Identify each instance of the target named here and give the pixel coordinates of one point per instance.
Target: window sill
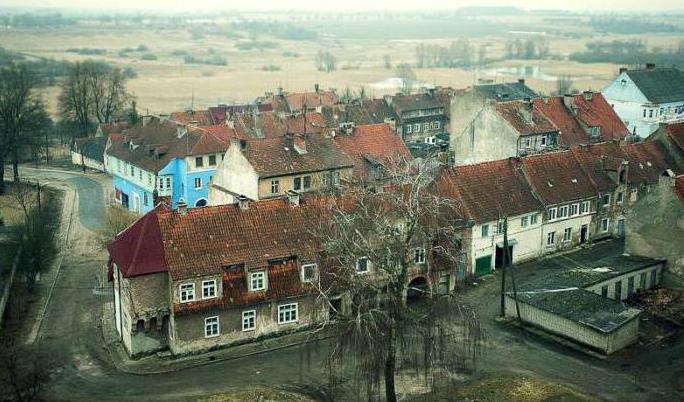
(212, 336)
(288, 322)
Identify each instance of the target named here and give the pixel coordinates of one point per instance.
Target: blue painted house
(167, 160)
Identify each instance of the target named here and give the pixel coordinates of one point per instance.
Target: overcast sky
(205, 5)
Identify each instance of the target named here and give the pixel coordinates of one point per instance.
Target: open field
(166, 82)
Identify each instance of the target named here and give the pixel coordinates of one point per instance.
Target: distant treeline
(29, 20)
(629, 52)
(460, 53)
(531, 48)
(630, 25)
(280, 30)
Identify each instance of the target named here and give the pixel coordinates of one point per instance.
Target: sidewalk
(165, 362)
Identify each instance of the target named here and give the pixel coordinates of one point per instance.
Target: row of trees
(633, 51)
(460, 53)
(531, 48)
(326, 61)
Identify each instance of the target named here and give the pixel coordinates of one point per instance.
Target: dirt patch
(257, 395)
(518, 389)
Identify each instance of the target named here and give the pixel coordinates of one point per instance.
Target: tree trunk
(15, 164)
(2, 175)
(390, 392)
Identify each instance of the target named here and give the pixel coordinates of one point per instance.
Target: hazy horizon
(201, 6)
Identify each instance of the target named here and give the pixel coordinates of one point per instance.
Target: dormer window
(309, 273)
(258, 281)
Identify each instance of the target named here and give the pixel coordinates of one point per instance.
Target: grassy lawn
(518, 389)
(257, 395)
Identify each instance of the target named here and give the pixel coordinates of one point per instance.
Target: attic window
(573, 180)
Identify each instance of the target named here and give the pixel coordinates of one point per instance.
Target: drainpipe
(118, 280)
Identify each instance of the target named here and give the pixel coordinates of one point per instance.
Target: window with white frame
(409, 128)
(275, 186)
(585, 207)
(362, 265)
(211, 326)
(567, 234)
(485, 230)
(426, 126)
(574, 209)
(419, 255)
(620, 197)
(168, 183)
(187, 292)
(437, 125)
(199, 161)
(257, 281)
(336, 178)
(523, 221)
(149, 179)
(209, 289)
(552, 214)
(533, 219)
(606, 200)
(249, 320)
(605, 222)
(287, 313)
(309, 272)
(416, 128)
(198, 182)
(563, 212)
(633, 194)
(551, 238)
(500, 227)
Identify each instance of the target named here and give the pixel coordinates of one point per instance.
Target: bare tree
(380, 244)
(22, 115)
(24, 371)
(563, 85)
(93, 92)
(116, 220)
(407, 76)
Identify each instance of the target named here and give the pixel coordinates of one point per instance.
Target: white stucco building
(645, 98)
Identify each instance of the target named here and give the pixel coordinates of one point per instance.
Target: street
(71, 332)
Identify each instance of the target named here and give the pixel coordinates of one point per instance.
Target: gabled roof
(557, 177)
(648, 160)
(214, 139)
(266, 231)
(659, 85)
(374, 142)
(297, 100)
(277, 156)
(270, 124)
(489, 190)
(112, 128)
(679, 188)
(525, 118)
(554, 109)
(594, 111)
(675, 133)
(198, 117)
(598, 160)
(505, 91)
(91, 147)
(138, 250)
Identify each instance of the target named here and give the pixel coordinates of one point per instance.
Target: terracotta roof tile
(377, 142)
(675, 132)
(525, 119)
(297, 100)
(596, 112)
(557, 177)
(201, 117)
(403, 103)
(489, 190)
(679, 187)
(554, 109)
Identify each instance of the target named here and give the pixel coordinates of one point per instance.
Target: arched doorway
(201, 203)
(418, 288)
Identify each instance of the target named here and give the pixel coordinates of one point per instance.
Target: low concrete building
(585, 303)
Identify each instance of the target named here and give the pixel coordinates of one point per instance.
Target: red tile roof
(138, 250)
(370, 144)
(599, 159)
(675, 133)
(201, 117)
(679, 187)
(269, 124)
(214, 139)
(525, 117)
(297, 100)
(572, 132)
(595, 112)
(112, 128)
(277, 156)
(557, 177)
(267, 230)
(648, 160)
(489, 190)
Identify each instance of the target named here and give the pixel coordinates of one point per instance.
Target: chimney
(316, 88)
(243, 202)
(521, 81)
(587, 95)
(242, 144)
(650, 66)
(529, 105)
(388, 99)
(146, 119)
(182, 207)
(293, 197)
(391, 122)
(622, 70)
(280, 91)
(299, 144)
(569, 102)
(181, 130)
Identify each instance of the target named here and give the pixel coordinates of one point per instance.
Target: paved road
(72, 335)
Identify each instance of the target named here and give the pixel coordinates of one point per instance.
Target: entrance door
(621, 227)
(483, 265)
(584, 233)
(136, 202)
(124, 200)
(499, 259)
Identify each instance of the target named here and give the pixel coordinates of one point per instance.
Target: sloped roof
(112, 128)
(266, 231)
(376, 142)
(557, 177)
(597, 160)
(525, 118)
(277, 156)
(201, 117)
(270, 124)
(214, 139)
(138, 250)
(679, 187)
(596, 112)
(554, 109)
(659, 85)
(91, 147)
(648, 160)
(505, 91)
(297, 100)
(675, 133)
(404, 103)
(489, 190)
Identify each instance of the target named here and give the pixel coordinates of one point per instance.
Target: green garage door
(483, 265)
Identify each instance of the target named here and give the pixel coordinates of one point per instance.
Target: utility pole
(47, 149)
(503, 268)
(40, 208)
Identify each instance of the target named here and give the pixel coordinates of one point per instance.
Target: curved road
(71, 332)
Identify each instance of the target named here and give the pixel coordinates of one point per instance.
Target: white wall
(236, 175)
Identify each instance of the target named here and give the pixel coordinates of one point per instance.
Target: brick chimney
(587, 95)
(521, 81)
(299, 144)
(622, 70)
(243, 202)
(569, 102)
(182, 207)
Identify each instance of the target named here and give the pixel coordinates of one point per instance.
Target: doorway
(499, 259)
(584, 232)
(124, 200)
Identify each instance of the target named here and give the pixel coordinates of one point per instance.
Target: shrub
(148, 56)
